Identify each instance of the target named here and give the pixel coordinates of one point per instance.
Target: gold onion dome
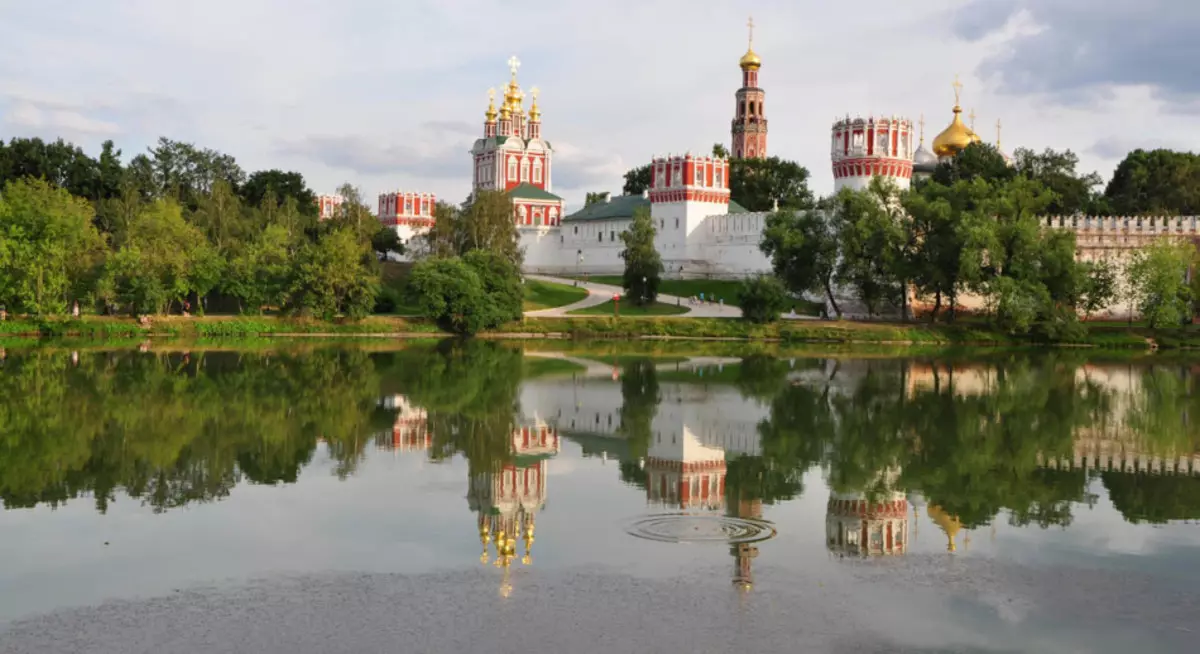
(750, 60)
(955, 138)
(490, 114)
(535, 113)
(948, 523)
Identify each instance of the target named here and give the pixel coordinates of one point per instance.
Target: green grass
(630, 310)
(726, 289)
(549, 295)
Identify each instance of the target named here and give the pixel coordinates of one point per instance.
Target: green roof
(531, 192)
(616, 208)
(501, 139)
(736, 208)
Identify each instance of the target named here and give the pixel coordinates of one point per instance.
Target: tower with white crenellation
(749, 130)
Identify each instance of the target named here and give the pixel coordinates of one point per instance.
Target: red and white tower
(512, 156)
(750, 122)
(869, 523)
(327, 206)
(410, 214)
(684, 190)
(875, 147)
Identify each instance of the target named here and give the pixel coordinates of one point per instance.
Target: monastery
(701, 231)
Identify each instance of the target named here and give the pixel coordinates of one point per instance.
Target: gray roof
(622, 208)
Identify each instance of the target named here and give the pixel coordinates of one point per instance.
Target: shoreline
(597, 328)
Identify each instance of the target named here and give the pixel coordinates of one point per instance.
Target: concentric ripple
(700, 528)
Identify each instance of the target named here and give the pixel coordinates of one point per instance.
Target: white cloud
(390, 95)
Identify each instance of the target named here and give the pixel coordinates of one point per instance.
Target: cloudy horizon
(391, 95)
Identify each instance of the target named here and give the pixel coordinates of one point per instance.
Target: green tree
(1100, 286)
(1074, 193)
(59, 163)
(281, 185)
(50, 252)
(595, 198)
(762, 298)
(873, 244)
(643, 264)
(803, 248)
(386, 240)
(219, 215)
(1160, 288)
(501, 281)
(1155, 182)
(160, 263)
(486, 224)
(184, 172)
(720, 151)
(637, 180)
(336, 275)
(260, 273)
(451, 293)
(976, 161)
(758, 184)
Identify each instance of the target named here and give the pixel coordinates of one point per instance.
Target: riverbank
(596, 327)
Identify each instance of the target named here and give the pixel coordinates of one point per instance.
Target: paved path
(601, 293)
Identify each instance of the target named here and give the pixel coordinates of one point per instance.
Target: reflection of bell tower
(745, 553)
(507, 498)
(868, 524)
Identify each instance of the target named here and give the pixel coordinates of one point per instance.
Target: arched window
(554, 215)
(537, 170)
(537, 216)
(524, 217)
(512, 168)
(524, 170)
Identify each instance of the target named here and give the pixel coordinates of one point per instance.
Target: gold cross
(957, 88)
(997, 133)
(491, 95)
(534, 91)
(972, 117)
(513, 65)
(750, 24)
(922, 124)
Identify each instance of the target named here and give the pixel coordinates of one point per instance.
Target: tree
(1160, 289)
(762, 298)
(485, 224)
(160, 263)
(59, 163)
(643, 264)
(281, 185)
(183, 172)
(386, 240)
(1155, 182)
(50, 252)
(758, 184)
(1073, 193)
(976, 161)
(595, 198)
(336, 275)
(637, 180)
(450, 293)
(720, 151)
(501, 284)
(1100, 286)
(873, 240)
(803, 249)
(219, 215)
(260, 273)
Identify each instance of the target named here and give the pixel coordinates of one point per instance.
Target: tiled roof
(530, 192)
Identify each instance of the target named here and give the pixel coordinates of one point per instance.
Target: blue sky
(389, 94)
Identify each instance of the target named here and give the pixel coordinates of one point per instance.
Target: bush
(480, 290)
(762, 299)
(501, 283)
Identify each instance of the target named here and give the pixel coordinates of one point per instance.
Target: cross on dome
(957, 88)
(513, 65)
(750, 24)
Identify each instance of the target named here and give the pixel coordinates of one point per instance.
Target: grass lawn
(718, 288)
(628, 309)
(540, 367)
(548, 295)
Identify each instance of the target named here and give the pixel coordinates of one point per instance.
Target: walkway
(601, 293)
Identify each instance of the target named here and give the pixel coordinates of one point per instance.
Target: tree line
(177, 228)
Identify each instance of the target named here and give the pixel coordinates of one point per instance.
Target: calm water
(474, 497)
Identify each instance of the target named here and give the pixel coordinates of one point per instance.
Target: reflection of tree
(1153, 498)
(640, 398)
(174, 429)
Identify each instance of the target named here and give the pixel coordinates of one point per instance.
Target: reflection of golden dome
(948, 523)
(955, 138)
(750, 60)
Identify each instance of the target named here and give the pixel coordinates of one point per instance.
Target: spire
(535, 114)
(957, 92)
(922, 124)
(997, 133)
(971, 117)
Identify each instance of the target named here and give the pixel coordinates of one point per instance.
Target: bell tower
(750, 122)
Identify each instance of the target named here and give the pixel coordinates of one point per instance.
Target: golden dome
(955, 138)
(490, 114)
(535, 114)
(750, 60)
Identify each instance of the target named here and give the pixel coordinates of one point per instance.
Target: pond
(479, 496)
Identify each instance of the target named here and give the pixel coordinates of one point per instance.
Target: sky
(389, 94)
